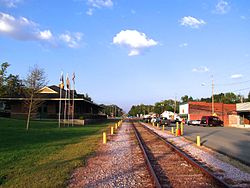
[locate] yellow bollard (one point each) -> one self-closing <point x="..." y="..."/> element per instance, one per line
<point x="115" y="126"/>
<point x="153" y="124"/>
<point x="163" y="127"/>
<point x="182" y="128"/>
<point x="104" y="137"/>
<point x="198" y="141"/>
<point x="176" y="132"/>
<point x="172" y="130"/>
<point x="112" y="130"/>
<point x="158" y="125"/>
<point x="177" y="125"/>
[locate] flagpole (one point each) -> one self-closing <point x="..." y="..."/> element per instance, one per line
<point x="60" y="101"/>
<point x="73" y="97"/>
<point x="60" y="106"/>
<point x="68" y="106"/>
<point x="73" y="105"/>
<point x="65" y="104"/>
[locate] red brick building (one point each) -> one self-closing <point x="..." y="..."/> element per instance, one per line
<point x="195" y="110"/>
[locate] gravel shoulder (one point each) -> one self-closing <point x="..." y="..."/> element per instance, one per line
<point x="119" y="163"/>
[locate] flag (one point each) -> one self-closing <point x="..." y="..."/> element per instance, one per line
<point x="61" y="85"/>
<point x="73" y="77"/>
<point x="67" y="82"/>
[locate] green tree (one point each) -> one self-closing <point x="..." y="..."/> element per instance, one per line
<point x="10" y="85"/>
<point x="3" y="77"/>
<point x="186" y="98"/>
<point x="14" y="86"/>
<point x="248" y="97"/>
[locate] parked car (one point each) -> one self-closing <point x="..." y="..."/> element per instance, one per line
<point x="194" y="122"/>
<point x="158" y="120"/>
<point x="165" y="121"/>
<point x="146" y="120"/>
<point x="211" y="121"/>
<point x="153" y="120"/>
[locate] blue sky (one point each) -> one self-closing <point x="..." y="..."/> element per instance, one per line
<point x="128" y="52"/>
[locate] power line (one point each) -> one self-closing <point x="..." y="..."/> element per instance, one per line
<point x="235" y="83"/>
<point x="242" y="89"/>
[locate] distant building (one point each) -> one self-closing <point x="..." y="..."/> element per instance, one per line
<point x="243" y="111"/>
<point x="50" y="97"/>
<point x="195" y="110"/>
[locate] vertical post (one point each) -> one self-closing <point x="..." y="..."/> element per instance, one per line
<point x="73" y="97"/>
<point x="65" y="106"/>
<point x="115" y="126"/>
<point x="177" y="125"/>
<point x="212" y="95"/>
<point x="112" y="130"/>
<point x="157" y="125"/>
<point x="73" y="103"/>
<point x="69" y="106"/>
<point x="198" y="140"/>
<point x="182" y="128"/>
<point x="172" y="130"/>
<point x="163" y="127"/>
<point x="60" y="106"/>
<point x="104" y="137"/>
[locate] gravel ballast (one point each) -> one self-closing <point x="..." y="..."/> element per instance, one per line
<point x="119" y="163"/>
<point x="223" y="170"/>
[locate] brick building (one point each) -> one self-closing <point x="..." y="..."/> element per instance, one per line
<point x="195" y="110"/>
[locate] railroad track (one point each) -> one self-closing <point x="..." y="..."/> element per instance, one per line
<point x="169" y="166"/>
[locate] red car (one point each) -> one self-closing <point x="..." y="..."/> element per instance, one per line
<point x="211" y="121"/>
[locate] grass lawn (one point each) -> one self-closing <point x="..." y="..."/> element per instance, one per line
<point x="44" y="156"/>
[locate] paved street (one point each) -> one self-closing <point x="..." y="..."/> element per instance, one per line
<point x="234" y="142"/>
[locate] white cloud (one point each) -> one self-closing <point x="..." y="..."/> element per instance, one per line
<point x="46" y="35"/>
<point x="10" y="3"/>
<point x="200" y="69"/>
<point x="133" y="11"/>
<point x="72" y="40"/>
<point x="222" y="7"/>
<point x="183" y="45"/>
<point x="192" y="22"/>
<point x="243" y="17"/>
<point x="134" y="52"/>
<point x="235" y="76"/>
<point x="90" y="12"/>
<point x="98" y="4"/>
<point x="19" y="28"/>
<point x="134" y="40"/>
<point x="26" y="30"/>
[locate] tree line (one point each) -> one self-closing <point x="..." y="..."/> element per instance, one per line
<point x="173" y="105"/>
<point x="112" y="110"/>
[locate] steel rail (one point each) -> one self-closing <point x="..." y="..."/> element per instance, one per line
<point x="190" y="160"/>
<point x="151" y="170"/>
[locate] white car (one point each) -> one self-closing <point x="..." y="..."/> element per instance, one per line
<point x="194" y="122"/>
<point x="153" y="120"/>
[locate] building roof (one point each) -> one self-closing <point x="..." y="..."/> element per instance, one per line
<point x="52" y="93"/>
<point x="243" y="107"/>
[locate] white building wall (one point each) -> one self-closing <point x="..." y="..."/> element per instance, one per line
<point x="184" y="109"/>
<point x="243" y="107"/>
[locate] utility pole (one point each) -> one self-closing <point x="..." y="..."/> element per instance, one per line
<point x="212" y="95"/>
<point x="174" y="104"/>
